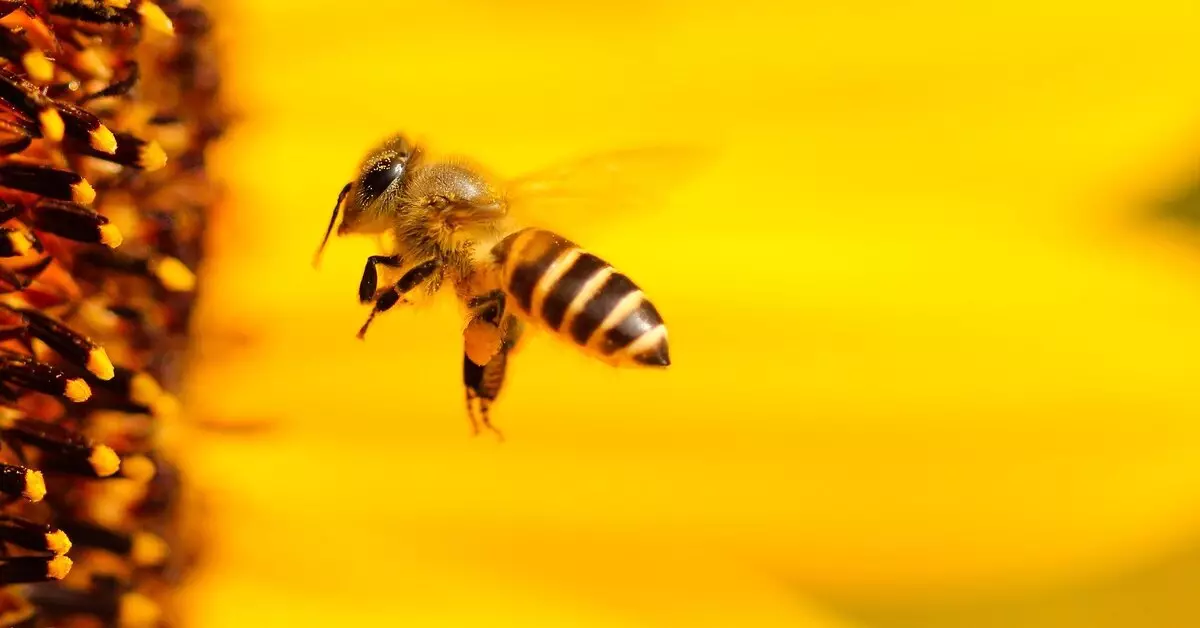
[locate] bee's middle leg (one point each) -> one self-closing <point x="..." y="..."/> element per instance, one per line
<point x="416" y="276"/>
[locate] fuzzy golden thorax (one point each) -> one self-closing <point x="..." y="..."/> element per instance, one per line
<point x="445" y="210"/>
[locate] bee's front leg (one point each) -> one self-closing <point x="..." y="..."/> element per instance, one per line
<point x="370" y="277"/>
<point x="483" y="383"/>
<point x="417" y="275"/>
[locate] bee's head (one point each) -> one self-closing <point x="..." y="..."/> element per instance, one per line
<point x="379" y="184"/>
<point x="365" y="201"/>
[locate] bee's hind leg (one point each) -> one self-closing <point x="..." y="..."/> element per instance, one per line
<point x="484" y="383"/>
<point x="483" y="336"/>
<point x="479" y="396"/>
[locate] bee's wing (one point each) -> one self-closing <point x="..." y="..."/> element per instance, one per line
<point x="607" y="186"/>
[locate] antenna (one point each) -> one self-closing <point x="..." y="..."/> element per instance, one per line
<point x="329" y="230"/>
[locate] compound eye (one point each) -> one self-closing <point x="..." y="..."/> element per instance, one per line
<point x="377" y="180"/>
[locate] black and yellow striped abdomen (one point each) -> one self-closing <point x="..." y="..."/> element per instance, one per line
<point x="551" y="281"/>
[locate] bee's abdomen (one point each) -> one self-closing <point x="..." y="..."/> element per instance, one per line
<point x="581" y="297"/>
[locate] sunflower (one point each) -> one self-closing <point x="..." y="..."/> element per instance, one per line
<point x="107" y="110"/>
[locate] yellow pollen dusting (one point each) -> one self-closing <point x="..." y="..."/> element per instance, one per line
<point x="174" y="275"/>
<point x="58" y="567"/>
<point x="35" y="486"/>
<point x="58" y="542"/>
<point x="117" y="4"/>
<point x="15" y="300"/>
<point x="83" y="193"/>
<point x="98" y="317"/>
<point x="152" y="157"/>
<point x="138" y="468"/>
<point x="149" y="550"/>
<point x="90" y="62"/>
<point x="144" y="390"/>
<point x="77" y="390"/>
<point x="38" y="66"/>
<point x="112" y="501"/>
<point x="103" y="140"/>
<point x="52" y="125"/>
<point x="110" y="236"/>
<point x="104" y="461"/>
<point x="138" y="611"/>
<point x="99" y="364"/>
<point x="166" y="406"/>
<point x="21" y="243"/>
<point x="154" y="18"/>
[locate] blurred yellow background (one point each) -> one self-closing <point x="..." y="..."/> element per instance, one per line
<point x="933" y="366"/>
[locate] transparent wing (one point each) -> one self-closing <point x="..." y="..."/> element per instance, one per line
<point x="603" y="188"/>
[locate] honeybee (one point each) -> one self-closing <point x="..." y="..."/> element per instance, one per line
<point x="447" y="221"/>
